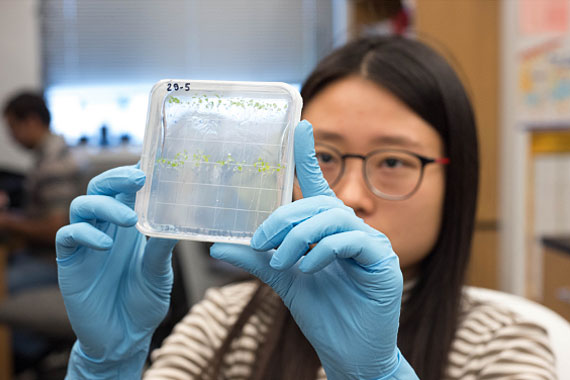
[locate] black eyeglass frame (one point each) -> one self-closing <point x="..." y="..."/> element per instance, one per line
<point x="423" y="160"/>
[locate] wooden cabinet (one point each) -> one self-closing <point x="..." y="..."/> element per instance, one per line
<point x="556" y="275"/>
<point x="467" y="33"/>
<point x="483" y="270"/>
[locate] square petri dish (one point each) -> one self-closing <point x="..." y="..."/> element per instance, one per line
<point x="218" y="158"/>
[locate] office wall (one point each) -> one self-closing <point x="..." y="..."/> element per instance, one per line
<point x="20" y="67"/>
<point x="551" y="194"/>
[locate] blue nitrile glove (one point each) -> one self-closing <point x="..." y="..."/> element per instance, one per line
<point x="345" y="294"/>
<point x="116" y="285"/>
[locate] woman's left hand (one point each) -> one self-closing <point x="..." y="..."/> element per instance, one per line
<point x="345" y="292"/>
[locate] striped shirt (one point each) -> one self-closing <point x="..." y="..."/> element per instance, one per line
<point x="54" y="180"/>
<point x="490" y="343"/>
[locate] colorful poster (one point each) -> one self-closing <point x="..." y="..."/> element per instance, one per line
<point x="543" y="16"/>
<point x="544" y="63"/>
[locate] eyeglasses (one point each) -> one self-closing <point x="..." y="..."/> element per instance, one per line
<point x="391" y="174"/>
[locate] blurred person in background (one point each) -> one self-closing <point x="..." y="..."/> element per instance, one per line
<point x="29" y="232"/>
<point x="49" y="187"/>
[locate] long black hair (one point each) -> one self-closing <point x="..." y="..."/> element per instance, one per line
<point x="426" y="83"/>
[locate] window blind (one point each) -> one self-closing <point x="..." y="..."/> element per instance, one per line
<point x="129" y="41"/>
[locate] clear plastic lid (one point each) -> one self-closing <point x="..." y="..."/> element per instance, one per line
<point x="218" y="158"/>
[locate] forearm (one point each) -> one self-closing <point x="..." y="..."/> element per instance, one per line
<point x="401" y="370"/>
<point x="80" y="366"/>
<point x="404" y="370"/>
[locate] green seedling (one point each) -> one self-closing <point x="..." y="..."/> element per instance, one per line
<point x="211" y="103"/>
<point x="261" y="166"/>
<point x="229" y="160"/>
<point x="196" y="159"/>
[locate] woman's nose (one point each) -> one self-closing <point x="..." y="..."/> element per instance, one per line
<point x="352" y="188"/>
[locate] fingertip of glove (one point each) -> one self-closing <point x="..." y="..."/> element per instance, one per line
<point x="216" y="250"/>
<point x="304" y="129"/>
<point x="275" y="263"/>
<point x="106" y="242"/>
<point x="260" y="241"/>
<point x="130" y="218"/>
<point x="305" y="124"/>
<point x="304" y="267"/>
<point x="133" y="219"/>
<point x="256" y="240"/>
<point x="138" y="177"/>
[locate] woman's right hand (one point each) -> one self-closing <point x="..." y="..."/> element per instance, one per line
<point x="115" y="284"/>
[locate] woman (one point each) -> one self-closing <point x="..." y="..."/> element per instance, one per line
<point x="395" y="140"/>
